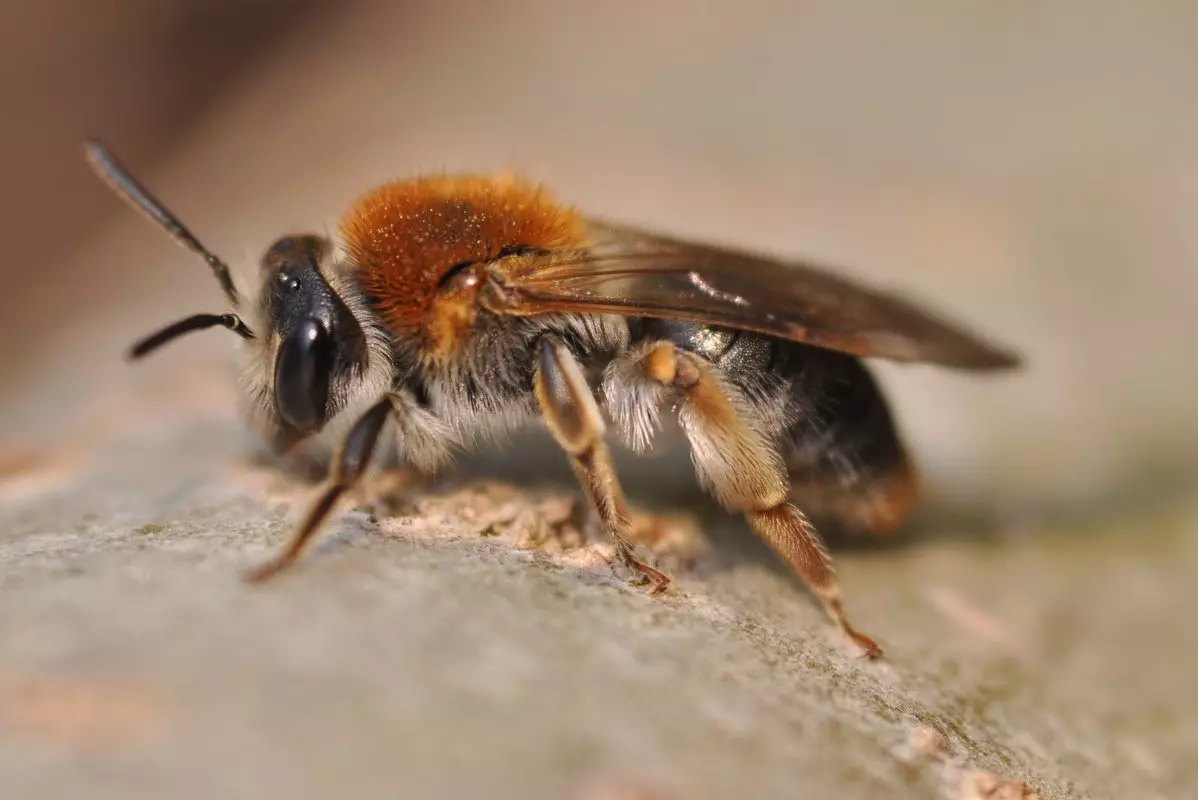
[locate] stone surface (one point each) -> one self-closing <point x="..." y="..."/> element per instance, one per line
<point x="441" y="652"/>
<point x="1036" y="629"/>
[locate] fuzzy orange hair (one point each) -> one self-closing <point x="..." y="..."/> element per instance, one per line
<point x="403" y="237"/>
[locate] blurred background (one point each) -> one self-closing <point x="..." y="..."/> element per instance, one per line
<point x="1030" y="169"/>
<point x="1027" y="168"/>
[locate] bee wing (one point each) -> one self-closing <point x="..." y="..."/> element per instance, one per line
<point x="639" y="274"/>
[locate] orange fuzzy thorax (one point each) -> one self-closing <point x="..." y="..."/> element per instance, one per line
<point x="403" y="237"/>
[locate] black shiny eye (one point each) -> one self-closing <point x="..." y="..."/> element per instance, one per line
<point x="302" y="368"/>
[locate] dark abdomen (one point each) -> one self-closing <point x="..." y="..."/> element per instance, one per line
<point x="848" y="467"/>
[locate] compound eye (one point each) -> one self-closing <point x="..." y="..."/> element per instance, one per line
<point x="302" y="368"/>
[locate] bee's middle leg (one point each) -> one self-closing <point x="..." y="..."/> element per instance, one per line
<point x="573" y="417"/>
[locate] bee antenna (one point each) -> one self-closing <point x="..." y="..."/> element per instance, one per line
<point x="196" y="322"/>
<point x="121" y="181"/>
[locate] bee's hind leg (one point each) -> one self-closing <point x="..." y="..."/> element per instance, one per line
<point x="573" y="417"/>
<point x="734" y="460"/>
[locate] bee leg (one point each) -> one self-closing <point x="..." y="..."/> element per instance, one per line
<point x="745" y="471"/>
<point x="573" y="417"/>
<point x="348" y="466"/>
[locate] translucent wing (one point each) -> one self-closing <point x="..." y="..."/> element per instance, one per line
<point x="636" y="273"/>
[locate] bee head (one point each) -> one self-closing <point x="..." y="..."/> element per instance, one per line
<point x="321" y="350"/>
<point x="311" y="348"/>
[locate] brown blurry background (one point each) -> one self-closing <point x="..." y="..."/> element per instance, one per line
<point x="1028" y="168"/>
<point x="140" y="73"/>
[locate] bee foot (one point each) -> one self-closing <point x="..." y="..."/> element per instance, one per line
<point x="645" y="575"/>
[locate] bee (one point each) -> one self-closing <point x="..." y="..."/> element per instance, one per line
<point x="458" y="308"/>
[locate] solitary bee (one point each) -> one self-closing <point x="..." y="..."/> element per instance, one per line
<point x="458" y="308"/>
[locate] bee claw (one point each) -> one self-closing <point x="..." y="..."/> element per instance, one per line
<point x="872" y="651"/>
<point x="656" y="580"/>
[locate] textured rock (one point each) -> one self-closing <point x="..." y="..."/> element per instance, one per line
<point x="461" y="649"/>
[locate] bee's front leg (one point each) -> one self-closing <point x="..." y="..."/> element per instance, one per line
<point x="348" y="466"/>
<point x="573" y="417"/>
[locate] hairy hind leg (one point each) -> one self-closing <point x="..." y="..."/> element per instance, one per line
<point x="734" y="459"/>
<point x="573" y="418"/>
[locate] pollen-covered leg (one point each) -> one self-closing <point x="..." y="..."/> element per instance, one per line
<point x="737" y="463"/>
<point x="573" y="417"/>
<point x="348" y="466"/>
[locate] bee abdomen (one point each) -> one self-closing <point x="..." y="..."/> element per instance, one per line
<point x="846" y="460"/>
<point x="827" y="415"/>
